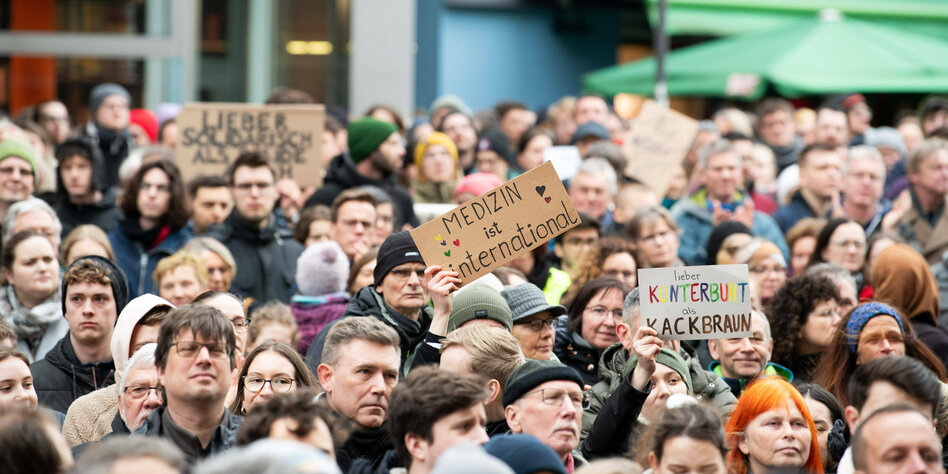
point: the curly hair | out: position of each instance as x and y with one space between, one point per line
790 308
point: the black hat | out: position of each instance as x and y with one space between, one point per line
494 140
116 279
534 373
397 249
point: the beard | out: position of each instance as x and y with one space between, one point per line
382 164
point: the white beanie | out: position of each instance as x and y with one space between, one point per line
322 269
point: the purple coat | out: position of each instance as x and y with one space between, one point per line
314 313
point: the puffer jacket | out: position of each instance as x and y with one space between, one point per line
573 351
138 263
60 378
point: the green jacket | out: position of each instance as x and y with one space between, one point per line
614 367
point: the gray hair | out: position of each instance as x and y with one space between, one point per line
100 457
364 328
610 152
632 309
144 357
29 204
714 148
833 271
600 167
864 152
207 244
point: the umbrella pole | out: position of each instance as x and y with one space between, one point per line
660 43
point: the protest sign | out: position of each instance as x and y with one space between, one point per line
660 140
499 225
212 135
701 302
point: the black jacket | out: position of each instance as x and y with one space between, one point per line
224 436
60 378
114 146
266 258
105 213
577 354
342 175
365 450
612 433
368 302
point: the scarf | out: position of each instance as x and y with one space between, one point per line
30 324
148 238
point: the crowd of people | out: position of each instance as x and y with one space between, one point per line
241 323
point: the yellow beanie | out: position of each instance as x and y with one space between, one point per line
434 138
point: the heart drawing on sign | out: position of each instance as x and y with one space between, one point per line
541 190
447 254
444 243
547 199
457 242
438 237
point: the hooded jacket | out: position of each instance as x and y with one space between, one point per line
707 385
103 213
266 258
342 175
368 302
693 216
139 263
61 378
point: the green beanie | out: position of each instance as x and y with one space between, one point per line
21 150
668 358
366 135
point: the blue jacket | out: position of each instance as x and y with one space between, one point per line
138 263
795 210
694 220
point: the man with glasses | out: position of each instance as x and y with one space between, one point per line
232 307
399 298
265 253
546 399
139 393
17 173
720 198
353 216
195 357
533 320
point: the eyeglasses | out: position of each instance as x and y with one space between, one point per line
537 325
9 170
240 324
281 384
138 392
246 187
859 244
403 274
188 349
554 397
601 312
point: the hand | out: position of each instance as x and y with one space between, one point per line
441 285
901 206
645 347
718 214
360 248
745 214
291 198
836 205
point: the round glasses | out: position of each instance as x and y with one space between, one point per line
281 384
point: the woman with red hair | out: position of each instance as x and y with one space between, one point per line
771 429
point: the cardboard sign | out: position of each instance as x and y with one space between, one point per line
660 140
701 302
212 135
499 225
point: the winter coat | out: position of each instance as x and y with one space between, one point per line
90 416
114 147
104 213
224 436
368 302
930 241
138 263
366 450
438 193
313 313
60 378
612 365
694 219
573 351
613 433
941 276
787 155
738 385
266 258
342 175
794 211
59 327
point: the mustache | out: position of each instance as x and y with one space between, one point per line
567 425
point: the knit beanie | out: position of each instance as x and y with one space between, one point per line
525 454
479 302
366 135
322 269
145 119
116 279
18 149
670 359
494 140
101 91
720 233
861 315
434 138
477 184
397 249
534 373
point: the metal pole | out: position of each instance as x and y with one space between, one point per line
660 41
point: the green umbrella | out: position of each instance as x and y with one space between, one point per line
819 56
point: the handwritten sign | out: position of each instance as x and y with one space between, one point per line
499 225
701 302
660 140
212 135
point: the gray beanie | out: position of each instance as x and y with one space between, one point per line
101 91
322 269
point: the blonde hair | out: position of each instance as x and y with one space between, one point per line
495 353
85 232
273 312
181 258
199 245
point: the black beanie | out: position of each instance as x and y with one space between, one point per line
397 249
116 278
534 373
719 234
